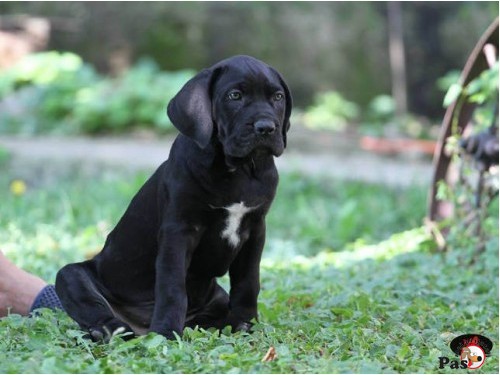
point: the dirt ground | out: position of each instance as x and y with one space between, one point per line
310 152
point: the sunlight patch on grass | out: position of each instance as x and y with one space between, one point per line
400 243
45 248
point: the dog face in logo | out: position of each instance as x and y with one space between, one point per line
474 356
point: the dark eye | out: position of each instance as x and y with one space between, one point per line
234 95
278 96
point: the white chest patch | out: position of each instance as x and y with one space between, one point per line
236 212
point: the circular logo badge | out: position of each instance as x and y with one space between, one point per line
474 355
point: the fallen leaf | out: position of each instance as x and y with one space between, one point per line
270 355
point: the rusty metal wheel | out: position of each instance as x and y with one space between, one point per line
479 148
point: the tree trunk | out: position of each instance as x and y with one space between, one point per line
397 56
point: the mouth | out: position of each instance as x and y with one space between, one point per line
254 147
234 160
263 151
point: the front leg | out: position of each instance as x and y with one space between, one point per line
176 245
244 276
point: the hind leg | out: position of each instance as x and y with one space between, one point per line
214 313
83 301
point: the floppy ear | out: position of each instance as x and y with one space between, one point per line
191 109
288 110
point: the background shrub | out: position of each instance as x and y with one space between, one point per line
59 93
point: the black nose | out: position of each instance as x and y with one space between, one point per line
264 127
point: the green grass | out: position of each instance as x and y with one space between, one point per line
350 283
327 215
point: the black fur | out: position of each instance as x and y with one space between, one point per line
158 268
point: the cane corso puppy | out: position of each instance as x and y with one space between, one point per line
200 215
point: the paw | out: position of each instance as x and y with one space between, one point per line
243 327
169 334
239 323
111 329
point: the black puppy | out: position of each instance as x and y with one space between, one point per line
201 214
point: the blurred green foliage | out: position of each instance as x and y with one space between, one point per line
485 87
38 94
317 46
58 93
380 113
330 111
380 120
333 214
137 99
4 156
45 69
474 221
481 91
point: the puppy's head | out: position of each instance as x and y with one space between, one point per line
240 102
